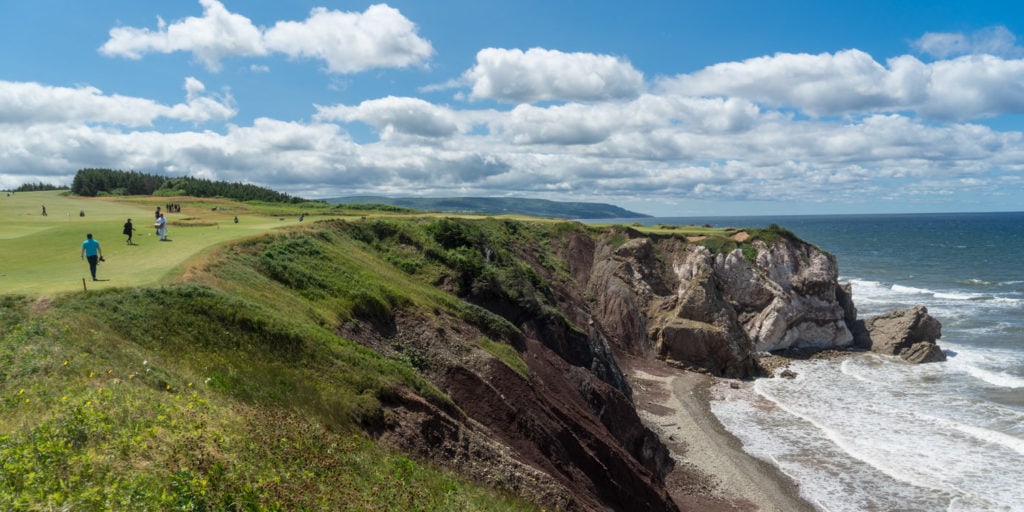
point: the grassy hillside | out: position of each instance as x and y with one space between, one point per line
229 392
208 372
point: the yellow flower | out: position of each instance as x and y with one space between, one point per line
27 400
22 392
65 362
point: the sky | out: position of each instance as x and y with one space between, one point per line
664 107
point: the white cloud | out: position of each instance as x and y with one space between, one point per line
352 42
539 74
217 34
29 103
348 42
997 40
852 82
411 116
663 152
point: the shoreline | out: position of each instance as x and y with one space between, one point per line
676 405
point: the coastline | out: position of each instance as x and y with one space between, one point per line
712 470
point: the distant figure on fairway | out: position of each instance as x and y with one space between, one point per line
156 214
236 219
44 210
128 229
91 250
161 227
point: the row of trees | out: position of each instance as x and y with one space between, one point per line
36 187
93 182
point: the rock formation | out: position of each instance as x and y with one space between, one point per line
566 432
909 334
715 311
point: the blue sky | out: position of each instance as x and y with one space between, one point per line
663 107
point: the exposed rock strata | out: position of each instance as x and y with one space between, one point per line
568 434
687 305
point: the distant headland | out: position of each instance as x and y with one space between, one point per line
497 205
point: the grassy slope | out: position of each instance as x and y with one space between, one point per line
187 396
209 375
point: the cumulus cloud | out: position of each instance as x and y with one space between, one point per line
538 74
997 40
835 127
851 81
348 42
27 103
411 116
217 34
665 151
351 42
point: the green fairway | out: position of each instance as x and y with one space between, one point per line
41 255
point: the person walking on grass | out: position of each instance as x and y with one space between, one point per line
128 230
91 250
161 227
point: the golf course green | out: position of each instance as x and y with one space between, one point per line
40 255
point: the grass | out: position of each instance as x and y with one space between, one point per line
206 375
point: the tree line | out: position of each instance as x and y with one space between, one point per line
37 187
94 182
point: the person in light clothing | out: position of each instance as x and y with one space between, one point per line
161 227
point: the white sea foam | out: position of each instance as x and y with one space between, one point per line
992 436
867 433
992 366
961 296
910 290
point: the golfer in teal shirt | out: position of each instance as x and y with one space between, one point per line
91 250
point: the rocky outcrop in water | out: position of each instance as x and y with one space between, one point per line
910 334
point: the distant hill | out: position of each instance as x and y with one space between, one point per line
497 205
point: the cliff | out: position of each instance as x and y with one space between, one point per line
565 431
401 361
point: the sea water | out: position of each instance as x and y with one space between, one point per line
870 433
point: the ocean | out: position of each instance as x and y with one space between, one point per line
871 434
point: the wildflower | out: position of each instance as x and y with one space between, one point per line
27 400
22 392
91 374
65 362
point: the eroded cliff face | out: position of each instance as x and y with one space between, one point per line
678 301
567 433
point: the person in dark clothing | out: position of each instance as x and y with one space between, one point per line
91 250
128 230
